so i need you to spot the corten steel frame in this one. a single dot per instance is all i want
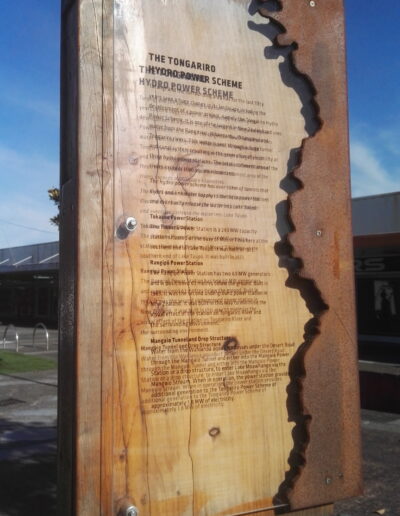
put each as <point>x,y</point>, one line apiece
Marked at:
<point>322,240</point>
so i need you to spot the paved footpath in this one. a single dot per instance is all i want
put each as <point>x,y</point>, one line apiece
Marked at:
<point>28,404</point>
<point>381,465</point>
<point>28,412</point>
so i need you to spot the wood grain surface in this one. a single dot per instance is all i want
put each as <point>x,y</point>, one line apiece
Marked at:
<point>204,324</point>
<point>185,325</point>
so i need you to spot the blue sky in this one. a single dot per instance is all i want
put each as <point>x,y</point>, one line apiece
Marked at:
<point>29,119</point>
<point>373,57</point>
<point>29,105</point>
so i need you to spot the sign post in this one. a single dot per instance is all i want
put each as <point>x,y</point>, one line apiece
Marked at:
<point>208,352</point>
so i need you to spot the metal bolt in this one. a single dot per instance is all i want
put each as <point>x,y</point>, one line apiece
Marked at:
<point>318,233</point>
<point>312,3</point>
<point>131,224</point>
<point>328,481</point>
<point>132,511</point>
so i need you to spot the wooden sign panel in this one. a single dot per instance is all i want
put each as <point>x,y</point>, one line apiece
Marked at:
<point>195,312</point>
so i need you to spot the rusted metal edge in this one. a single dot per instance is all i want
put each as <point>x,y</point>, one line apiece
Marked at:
<point>323,241</point>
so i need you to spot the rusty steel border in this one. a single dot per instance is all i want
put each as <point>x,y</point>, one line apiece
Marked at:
<point>321,214</point>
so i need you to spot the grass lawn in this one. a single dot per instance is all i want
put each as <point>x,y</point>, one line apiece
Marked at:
<point>17,363</point>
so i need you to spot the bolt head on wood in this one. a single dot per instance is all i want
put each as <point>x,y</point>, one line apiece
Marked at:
<point>131,224</point>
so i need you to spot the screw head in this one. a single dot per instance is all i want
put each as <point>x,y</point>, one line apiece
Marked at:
<point>318,232</point>
<point>132,511</point>
<point>131,224</point>
<point>328,481</point>
<point>312,3</point>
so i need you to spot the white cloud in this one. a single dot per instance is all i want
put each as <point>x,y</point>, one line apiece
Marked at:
<point>368,175</point>
<point>41,107</point>
<point>22,210</point>
<point>50,110</point>
<point>13,162</point>
<point>24,201</point>
<point>390,140</point>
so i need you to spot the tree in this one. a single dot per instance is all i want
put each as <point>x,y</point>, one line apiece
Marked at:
<point>54,196</point>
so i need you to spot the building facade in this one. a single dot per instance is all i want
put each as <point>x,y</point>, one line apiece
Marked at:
<point>376,229</point>
<point>29,284</point>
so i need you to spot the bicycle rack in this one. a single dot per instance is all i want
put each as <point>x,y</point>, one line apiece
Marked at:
<point>40,325</point>
<point>16,336</point>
